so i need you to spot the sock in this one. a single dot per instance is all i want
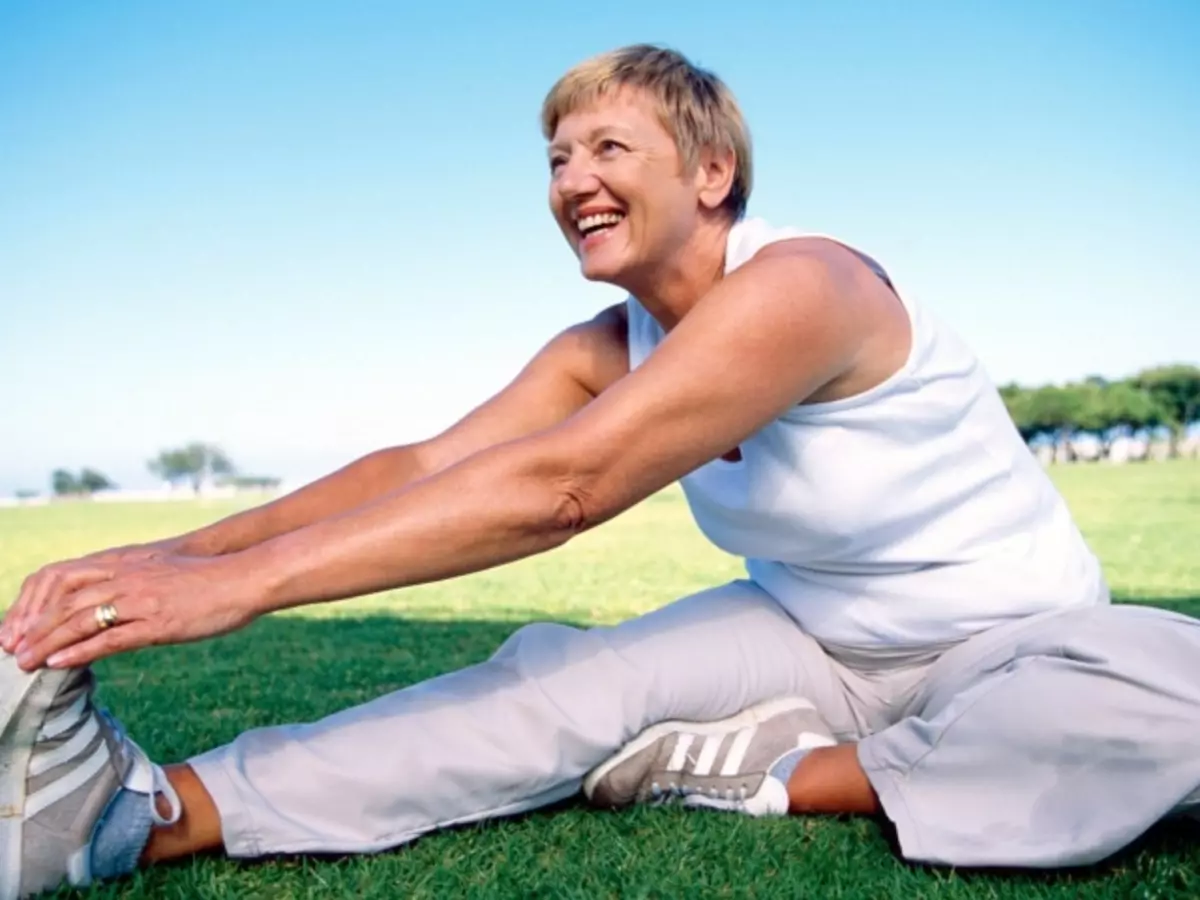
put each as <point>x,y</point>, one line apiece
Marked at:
<point>121,835</point>
<point>784,766</point>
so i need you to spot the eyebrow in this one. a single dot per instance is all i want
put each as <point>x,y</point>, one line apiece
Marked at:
<point>593,135</point>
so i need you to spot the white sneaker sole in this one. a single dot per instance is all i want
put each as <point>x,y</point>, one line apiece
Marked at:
<point>17,736</point>
<point>752,716</point>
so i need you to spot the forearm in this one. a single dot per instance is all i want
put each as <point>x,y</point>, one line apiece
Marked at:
<point>495,507</point>
<point>360,482</point>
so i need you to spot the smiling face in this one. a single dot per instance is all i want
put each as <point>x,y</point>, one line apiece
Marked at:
<point>620,192</point>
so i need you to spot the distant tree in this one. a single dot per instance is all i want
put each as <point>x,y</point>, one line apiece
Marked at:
<point>1131,407</point>
<point>219,465</point>
<point>1091,413</point>
<point>91,481</point>
<point>1054,411</point>
<point>64,483</point>
<point>194,462</point>
<point>88,481</point>
<point>1108,409</point>
<point>1176,390</point>
<point>27,494</point>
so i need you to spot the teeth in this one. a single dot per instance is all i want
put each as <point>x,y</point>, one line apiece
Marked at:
<point>599,219</point>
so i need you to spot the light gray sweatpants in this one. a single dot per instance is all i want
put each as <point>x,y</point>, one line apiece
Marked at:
<point>1052,741</point>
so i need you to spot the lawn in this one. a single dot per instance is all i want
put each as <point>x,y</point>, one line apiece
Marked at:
<point>1143,520</point>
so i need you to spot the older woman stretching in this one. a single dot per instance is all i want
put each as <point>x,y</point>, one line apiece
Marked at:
<point>921,629</point>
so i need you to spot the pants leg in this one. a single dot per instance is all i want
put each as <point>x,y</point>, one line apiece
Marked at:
<point>510,734</point>
<point>1052,742</point>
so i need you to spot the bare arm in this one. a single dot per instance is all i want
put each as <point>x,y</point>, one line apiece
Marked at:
<point>796,322</point>
<point>730,367</point>
<point>567,373</point>
<point>356,483</point>
<point>570,371</point>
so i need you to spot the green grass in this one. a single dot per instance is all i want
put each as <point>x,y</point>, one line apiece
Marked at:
<point>1144,521</point>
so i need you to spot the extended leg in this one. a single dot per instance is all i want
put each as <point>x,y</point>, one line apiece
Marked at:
<point>508,735</point>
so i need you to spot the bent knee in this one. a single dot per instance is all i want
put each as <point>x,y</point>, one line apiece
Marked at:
<point>1122,635</point>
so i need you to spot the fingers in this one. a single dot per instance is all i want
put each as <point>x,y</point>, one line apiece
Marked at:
<point>33,591</point>
<point>43,589</point>
<point>68,622</point>
<point>117,639</point>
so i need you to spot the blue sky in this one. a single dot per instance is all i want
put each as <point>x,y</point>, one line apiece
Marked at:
<point>305,230</point>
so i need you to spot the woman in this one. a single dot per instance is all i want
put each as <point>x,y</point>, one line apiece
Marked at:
<point>921,620</point>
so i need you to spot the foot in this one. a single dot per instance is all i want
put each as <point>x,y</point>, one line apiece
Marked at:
<point>77,797</point>
<point>738,764</point>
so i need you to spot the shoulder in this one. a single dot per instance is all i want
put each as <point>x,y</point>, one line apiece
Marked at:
<point>605,330</point>
<point>814,262</point>
<point>823,291</point>
<point>595,351</point>
<point>820,268</point>
<point>756,239</point>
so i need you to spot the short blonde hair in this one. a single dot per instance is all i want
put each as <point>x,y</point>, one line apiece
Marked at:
<point>695,106</point>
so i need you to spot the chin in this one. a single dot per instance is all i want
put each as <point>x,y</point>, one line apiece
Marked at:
<point>598,268</point>
<point>597,273</point>
<point>604,276</point>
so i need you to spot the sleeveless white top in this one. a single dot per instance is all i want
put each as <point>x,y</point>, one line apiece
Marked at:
<point>911,514</point>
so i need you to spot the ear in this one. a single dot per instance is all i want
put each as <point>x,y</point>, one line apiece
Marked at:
<point>714,176</point>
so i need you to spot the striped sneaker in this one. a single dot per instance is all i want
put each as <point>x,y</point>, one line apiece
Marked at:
<point>731,764</point>
<point>63,766</point>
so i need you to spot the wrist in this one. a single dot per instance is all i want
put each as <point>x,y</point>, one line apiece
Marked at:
<point>196,543</point>
<point>270,570</point>
<point>248,584</point>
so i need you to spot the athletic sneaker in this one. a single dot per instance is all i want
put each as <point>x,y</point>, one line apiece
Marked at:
<point>77,797</point>
<point>739,764</point>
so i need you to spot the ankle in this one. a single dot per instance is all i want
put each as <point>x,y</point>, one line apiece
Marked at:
<point>198,828</point>
<point>830,781</point>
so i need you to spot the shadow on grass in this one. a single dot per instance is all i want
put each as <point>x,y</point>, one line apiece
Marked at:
<point>178,701</point>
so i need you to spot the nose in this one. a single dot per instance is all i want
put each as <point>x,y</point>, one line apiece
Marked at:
<point>576,177</point>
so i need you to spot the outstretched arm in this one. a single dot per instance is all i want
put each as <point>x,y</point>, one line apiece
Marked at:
<point>770,335</point>
<point>786,326</point>
<point>566,374</point>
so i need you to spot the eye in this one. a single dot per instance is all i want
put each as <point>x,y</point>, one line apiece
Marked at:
<point>609,147</point>
<point>556,162</point>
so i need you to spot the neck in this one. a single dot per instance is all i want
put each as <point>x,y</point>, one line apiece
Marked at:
<point>670,291</point>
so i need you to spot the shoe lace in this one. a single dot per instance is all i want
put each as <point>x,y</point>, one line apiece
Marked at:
<point>674,790</point>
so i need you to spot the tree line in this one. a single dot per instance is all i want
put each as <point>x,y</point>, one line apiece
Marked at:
<point>1159,400</point>
<point>195,463</point>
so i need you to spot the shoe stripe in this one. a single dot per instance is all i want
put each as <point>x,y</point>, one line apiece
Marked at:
<point>737,751</point>
<point>44,762</point>
<point>61,723</point>
<point>679,755</point>
<point>75,779</point>
<point>708,755</point>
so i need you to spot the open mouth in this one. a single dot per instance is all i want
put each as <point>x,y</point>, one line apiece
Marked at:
<point>598,223</point>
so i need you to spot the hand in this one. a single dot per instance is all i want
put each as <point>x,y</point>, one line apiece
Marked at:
<point>50,584</point>
<point>168,600</point>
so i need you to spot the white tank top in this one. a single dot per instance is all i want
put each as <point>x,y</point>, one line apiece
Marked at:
<point>908,515</point>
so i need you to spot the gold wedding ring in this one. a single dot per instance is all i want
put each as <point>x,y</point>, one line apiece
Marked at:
<point>106,616</point>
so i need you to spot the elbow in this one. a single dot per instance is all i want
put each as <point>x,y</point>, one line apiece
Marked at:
<point>578,498</point>
<point>574,509</point>
<point>561,492</point>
